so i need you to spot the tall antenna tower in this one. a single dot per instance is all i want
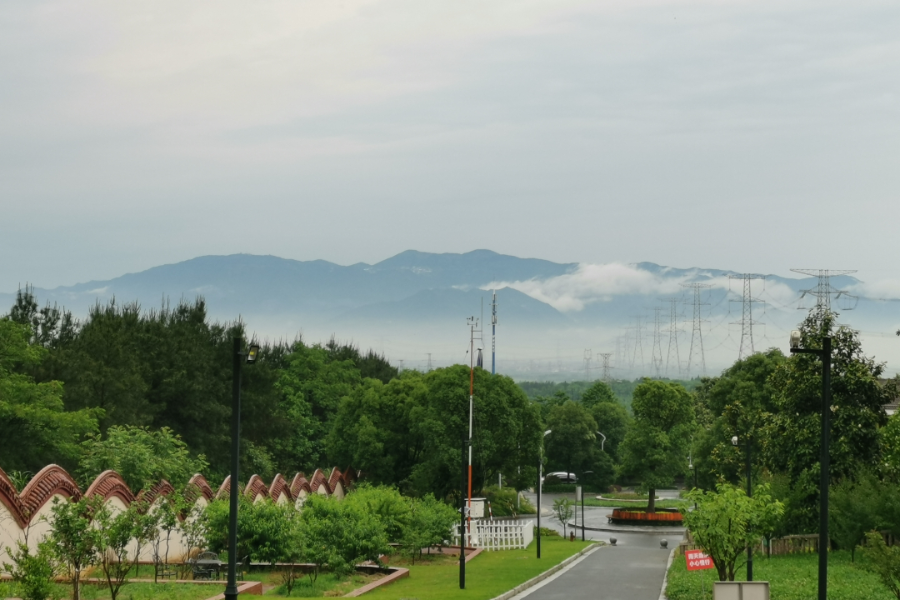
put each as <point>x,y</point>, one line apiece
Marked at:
<point>824,291</point>
<point>588,354</point>
<point>747,321</point>
<point>605,356</point>
<point>638,347</point>
<point>656,361</point>
<point>696,356</point>
<point>673,332</point>
<point>494,334</point>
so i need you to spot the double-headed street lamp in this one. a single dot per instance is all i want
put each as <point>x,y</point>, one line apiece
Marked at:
<point>746,445</point>
<point>238,358</point>
<point>825,354</point>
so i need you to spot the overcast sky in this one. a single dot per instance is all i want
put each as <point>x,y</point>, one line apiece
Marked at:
<point>748,135</point>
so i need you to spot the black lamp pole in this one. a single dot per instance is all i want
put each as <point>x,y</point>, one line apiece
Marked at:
<point>238,357</point>
<point>231,592</point>
<point>825,459</point>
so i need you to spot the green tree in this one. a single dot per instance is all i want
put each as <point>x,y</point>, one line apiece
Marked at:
<point>726,523</point>
<point>857,413</point>
<point>140,456</point>
<point>375,429</point>
<point>386,503</point>
<point>35,428</point>
<point>507,431</point>
<point>855,506</point>
<point>73,540</point>
<point>655,448</point>
<point>563,508</point>
<point>740,402</point>
<point>570,445</point>
<point>114,532</point>
<point>428,525</point>
<point>340,535</point>
<point>312,387</point>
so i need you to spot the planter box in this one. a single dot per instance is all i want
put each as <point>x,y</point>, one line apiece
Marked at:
<point>662,516</point>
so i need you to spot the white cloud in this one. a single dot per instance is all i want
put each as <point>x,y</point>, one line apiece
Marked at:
<point>882,289</point>
<point>591,283</point>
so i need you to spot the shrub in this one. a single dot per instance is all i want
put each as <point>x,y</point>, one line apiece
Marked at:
<point>884,561</point>
<point>32,572</point>
<point>504,502</point>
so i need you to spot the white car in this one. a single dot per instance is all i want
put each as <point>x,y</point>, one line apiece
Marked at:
<point>562,476</point>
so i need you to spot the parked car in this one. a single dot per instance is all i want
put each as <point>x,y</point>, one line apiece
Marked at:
<point>560,477</point>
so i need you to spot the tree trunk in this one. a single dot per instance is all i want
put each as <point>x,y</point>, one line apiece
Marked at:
<point>651,503</point>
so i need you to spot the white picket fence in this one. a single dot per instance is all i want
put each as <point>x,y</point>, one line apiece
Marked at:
<point>497,535</point>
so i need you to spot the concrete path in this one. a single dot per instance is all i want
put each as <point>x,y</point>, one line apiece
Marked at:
<point>633,569</point>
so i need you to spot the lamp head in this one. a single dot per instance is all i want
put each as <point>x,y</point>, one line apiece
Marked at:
<point>252,353</point>
<point>734,440</point>
<point>795,339</point>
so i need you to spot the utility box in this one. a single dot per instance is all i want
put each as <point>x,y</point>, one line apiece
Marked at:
<point>741,590</point>
<point>478,508</point>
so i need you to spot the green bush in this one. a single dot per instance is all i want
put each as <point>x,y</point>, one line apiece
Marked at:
<point>32,572</point>
<point>884,561</point>
<point>503,502</point>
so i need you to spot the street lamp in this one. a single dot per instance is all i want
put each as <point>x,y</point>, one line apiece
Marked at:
<point>734,442</point>
<point>825,354</point>
<point>238,358</point>
<point>583,476</point>
<point>540,487</point>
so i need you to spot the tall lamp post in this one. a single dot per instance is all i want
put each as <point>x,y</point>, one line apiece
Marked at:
<point>746,444</point>
<point>238,357</point>
<point>583,476</point>
<point>825,354</point>
<point>540,487</point>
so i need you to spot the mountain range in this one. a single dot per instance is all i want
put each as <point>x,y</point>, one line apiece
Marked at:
<point>550,315</point>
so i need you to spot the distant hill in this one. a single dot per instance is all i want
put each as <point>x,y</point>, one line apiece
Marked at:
<point>415,304</point>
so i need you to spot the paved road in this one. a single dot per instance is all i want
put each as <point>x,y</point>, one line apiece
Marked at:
<point>633,569</point>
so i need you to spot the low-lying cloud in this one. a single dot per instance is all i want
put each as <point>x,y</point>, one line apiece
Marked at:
<point>591,283</point>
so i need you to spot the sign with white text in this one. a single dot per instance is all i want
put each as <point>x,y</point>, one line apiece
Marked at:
<point>697,560</point>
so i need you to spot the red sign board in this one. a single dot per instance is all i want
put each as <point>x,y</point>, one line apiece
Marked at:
<point>696,560</point>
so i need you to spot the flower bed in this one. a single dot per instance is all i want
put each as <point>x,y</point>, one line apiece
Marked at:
<point>662,516</point>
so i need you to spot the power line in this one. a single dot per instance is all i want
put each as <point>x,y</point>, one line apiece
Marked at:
<point>696,356</point>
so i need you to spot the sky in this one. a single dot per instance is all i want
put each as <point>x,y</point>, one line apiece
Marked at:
<point>754,135</point>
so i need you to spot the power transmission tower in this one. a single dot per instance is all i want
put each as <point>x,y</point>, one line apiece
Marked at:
<point>621,354</point>
<point>638,347</point>
<point>824,291</point>
<point>673,337</point>
<point>747,321</point>
<point>696,353</point>
<point>587,364</point>
<point>656,361</point>
<point>430,368</point>
<point>606,368</point>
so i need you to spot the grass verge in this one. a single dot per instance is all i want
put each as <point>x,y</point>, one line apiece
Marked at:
<point>488,575</point>
<point>790,577</point>
<point>130,591</point>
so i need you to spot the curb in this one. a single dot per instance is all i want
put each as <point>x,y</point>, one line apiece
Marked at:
<point>662,591</point>
<point>539,578</point>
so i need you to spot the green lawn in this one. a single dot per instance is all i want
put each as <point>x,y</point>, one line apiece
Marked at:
<point>130,591</point>
<point>790,577</point>
<point>487,575</point>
